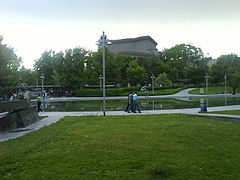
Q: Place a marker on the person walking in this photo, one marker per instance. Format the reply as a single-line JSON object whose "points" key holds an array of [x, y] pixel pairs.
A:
{"points": [[39, 103], [130, 103], [135, 102]]}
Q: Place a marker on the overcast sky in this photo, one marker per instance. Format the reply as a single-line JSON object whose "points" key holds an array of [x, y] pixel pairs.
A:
{"points": [[33, 26]]}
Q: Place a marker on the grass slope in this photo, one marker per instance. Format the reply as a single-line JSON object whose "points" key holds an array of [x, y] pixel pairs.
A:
{"points": [[232, 112], [126, 147], [214, 90]]}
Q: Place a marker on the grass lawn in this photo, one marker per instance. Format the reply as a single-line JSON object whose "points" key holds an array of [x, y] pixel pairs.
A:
{"points": [[126, 147], [232, 112], [214, 90], [162, 92]]}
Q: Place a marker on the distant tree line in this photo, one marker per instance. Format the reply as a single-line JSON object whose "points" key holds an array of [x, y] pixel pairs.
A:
{"points": [[74, 68]]}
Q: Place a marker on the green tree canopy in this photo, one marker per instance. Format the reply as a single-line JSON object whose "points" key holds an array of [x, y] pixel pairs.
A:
{"points": [[163, 80], [228, 65], [9, 65], [135, 73], [181, 58]]}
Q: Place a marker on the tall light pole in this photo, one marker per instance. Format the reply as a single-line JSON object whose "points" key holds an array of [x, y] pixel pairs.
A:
{"points": [[103, 42], [100, 81], [225, 84], [206, 83], [225, 88], [153, 78], [42, 78], [206, 88]]}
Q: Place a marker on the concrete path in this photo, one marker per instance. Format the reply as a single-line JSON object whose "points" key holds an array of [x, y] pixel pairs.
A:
{"points": [[184, 95], [33, 127], [184, 92], [55, 116]]}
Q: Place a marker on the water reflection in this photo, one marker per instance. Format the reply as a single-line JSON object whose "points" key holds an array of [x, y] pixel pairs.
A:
{"points": [[145, 104]]}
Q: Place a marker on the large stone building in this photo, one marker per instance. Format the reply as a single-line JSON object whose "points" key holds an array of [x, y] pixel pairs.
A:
{"points": [[140, 46]]}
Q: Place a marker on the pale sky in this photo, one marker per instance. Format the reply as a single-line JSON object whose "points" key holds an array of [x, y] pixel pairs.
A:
{"points": [[33, 26]]}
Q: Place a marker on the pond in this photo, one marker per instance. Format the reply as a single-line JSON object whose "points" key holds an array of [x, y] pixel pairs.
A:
{"points": [[120, 105]]}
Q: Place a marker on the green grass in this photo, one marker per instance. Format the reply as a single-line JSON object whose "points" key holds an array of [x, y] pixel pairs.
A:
{"points": [[125, 91], [214, 90], [126, 147], [232, 112], [163, 92]]}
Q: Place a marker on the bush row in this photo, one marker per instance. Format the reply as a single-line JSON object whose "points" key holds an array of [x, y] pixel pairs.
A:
{"points": [[125, 91]]}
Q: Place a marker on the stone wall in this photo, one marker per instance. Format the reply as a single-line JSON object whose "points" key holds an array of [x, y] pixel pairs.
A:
{"points": [[20, 114]]}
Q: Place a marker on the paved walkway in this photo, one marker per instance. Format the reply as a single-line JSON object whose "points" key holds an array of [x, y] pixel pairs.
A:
{"points": [[55, 116], [183, 95]]}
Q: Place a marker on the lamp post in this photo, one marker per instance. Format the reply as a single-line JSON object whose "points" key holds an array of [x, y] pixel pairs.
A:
{"points": [[225, 88], [225, 84], [100, 81], [206, 89], [103, 42], [206, 83], [42, 78], [153, 78]]}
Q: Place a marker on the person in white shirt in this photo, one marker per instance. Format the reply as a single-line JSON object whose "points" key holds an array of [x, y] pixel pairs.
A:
{"points": [[135, 103]]}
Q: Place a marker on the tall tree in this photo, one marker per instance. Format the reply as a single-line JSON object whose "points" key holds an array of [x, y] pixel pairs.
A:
{"points": [[163, 80], [45, 66], [135, 73], [71, 68], [153, 65], [227, 65], [181, 59], [27, 76], [9, 64]]}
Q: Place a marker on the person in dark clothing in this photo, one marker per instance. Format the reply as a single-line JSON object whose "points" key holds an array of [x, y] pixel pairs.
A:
{"points": [[39, 102], [130, 103]]}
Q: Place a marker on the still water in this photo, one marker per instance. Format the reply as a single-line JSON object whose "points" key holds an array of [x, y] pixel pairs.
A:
{"points": [[120, 105]]}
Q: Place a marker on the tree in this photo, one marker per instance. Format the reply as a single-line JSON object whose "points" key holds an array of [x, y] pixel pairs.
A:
{"points": [[181, 58], [135, 73], [71, 68], [227, 65], [152, 65], [45, 66], [163, 80], [67, 68], [9, 64], [27, 76]]}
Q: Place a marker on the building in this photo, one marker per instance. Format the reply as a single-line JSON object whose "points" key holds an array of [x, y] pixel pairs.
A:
{"points": [[140, 46]]}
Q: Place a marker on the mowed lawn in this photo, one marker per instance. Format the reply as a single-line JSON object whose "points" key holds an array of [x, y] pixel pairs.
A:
{"points": [[232, 112], [126, 147]]}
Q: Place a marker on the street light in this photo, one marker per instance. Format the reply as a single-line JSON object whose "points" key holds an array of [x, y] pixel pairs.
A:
{"points": [[225, 84], [103, 42], [206, 88], [206, 83], [42, 78], [153, 78], [100, 81], [225, 88]]}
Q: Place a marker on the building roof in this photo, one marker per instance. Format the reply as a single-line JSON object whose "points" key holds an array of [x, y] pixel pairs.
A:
{"points": [[134, 39]]}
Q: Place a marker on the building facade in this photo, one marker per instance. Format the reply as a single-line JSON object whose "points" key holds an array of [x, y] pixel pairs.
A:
{"points": [[140, 46]]}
